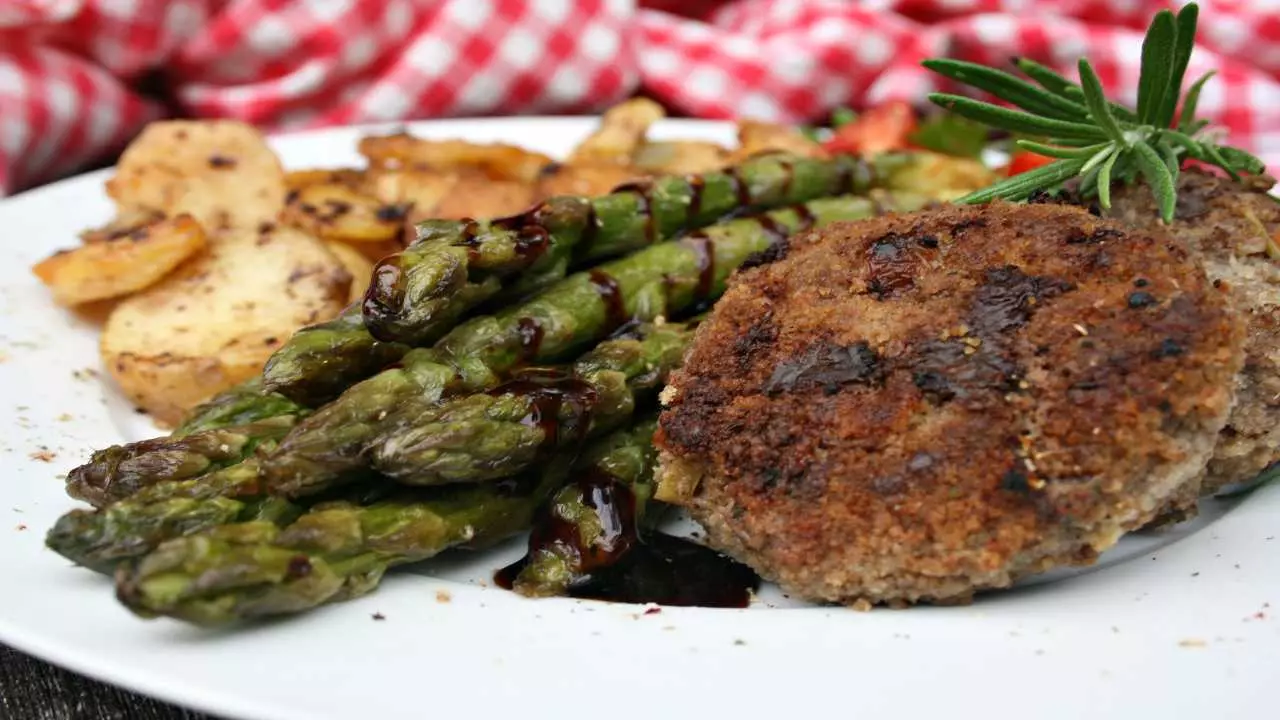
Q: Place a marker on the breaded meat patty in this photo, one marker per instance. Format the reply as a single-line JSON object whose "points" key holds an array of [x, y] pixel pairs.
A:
{"points": [[919, 406], [1235, 227]]}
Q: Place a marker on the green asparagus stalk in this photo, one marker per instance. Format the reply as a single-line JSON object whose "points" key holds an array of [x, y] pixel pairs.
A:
{"points": [[507, 430], [326, 449], [591, 523], [132, 527], [334, 552], [650, 284], [122, 470], [420, 293], [321, 361], [245, 403]]}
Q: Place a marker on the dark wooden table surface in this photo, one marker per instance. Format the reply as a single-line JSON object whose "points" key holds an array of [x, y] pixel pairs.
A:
{"points": [[34, 690]]}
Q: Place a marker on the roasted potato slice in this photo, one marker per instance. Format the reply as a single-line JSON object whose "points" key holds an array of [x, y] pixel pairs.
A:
{"points": [[347, 177], [621, 131], [376, 251], [756, 137], [475, 197], [679, 157], [121, 265], [590, 180], [213, 322], [406, 152], [424, 189], [125, 222], [336, 212], [358, 266], [221, 172]]}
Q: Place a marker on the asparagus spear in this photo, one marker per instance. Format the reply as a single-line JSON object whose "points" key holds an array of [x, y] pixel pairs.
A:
{"points": [[132, 527], [507, 430], [326, 449], [243, 404], [321, 361], [591, 523], [122, 470], [420, 293], [578, 310], [334, 552]]}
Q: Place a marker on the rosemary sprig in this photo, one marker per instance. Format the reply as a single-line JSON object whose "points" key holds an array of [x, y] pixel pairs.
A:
{"points": [[1093, 138]]}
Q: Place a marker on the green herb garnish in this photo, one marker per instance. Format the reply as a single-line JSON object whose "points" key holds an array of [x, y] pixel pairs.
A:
{"points": [[1093, 138]]}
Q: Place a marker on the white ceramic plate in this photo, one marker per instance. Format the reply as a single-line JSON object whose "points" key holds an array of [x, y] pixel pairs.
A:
{"points": [[1176, 625]]}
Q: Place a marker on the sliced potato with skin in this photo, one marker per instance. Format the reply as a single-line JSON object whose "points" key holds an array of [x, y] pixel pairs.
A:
{"points": [[621, 131], [499, 161], [126, 221], [215, 321], [122, 265], [336, 212], [358, 266], [680, 156], [756, 137], [589, 180], [221, 172], [348, 177], [473, 197], [424, 189], [376, 251]]}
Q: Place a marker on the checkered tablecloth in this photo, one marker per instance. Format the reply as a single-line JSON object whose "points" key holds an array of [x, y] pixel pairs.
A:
{"points": [[79, 77]]}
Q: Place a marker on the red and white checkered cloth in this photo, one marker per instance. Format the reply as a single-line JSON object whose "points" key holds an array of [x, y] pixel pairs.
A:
{"points": [[78, 78]]}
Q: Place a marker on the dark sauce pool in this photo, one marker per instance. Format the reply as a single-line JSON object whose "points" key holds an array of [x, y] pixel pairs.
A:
{"points": [[625, 565]]}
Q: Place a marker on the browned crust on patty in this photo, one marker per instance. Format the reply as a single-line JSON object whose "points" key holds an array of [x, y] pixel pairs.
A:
{"points": [[1235, 227], [912, 407]]}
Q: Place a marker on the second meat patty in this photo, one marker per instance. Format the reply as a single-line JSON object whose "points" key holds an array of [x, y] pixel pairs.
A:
{"points": [[919, 406]]}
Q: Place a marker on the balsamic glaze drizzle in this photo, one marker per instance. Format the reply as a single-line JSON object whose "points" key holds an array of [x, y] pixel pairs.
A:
{"points": [[623, 565], [611, 296], [705, 249]]}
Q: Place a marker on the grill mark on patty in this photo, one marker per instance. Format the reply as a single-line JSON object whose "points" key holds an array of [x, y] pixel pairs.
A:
{"points": [[828, 366], [893, 262], [1003, 303], [757, 338], [1078, 236], [1008, 297]]}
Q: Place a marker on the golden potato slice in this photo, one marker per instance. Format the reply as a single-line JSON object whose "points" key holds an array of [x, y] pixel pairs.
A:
{"points": [[423, 189], [358, 266], [589, 180], [756, 137], [474, 197], [126, 221], [213, 322], [336, 212], [376, 251], [403, 151], [221, 172], [680, 156], [621, 131], [347, 177], [122, 265]]}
